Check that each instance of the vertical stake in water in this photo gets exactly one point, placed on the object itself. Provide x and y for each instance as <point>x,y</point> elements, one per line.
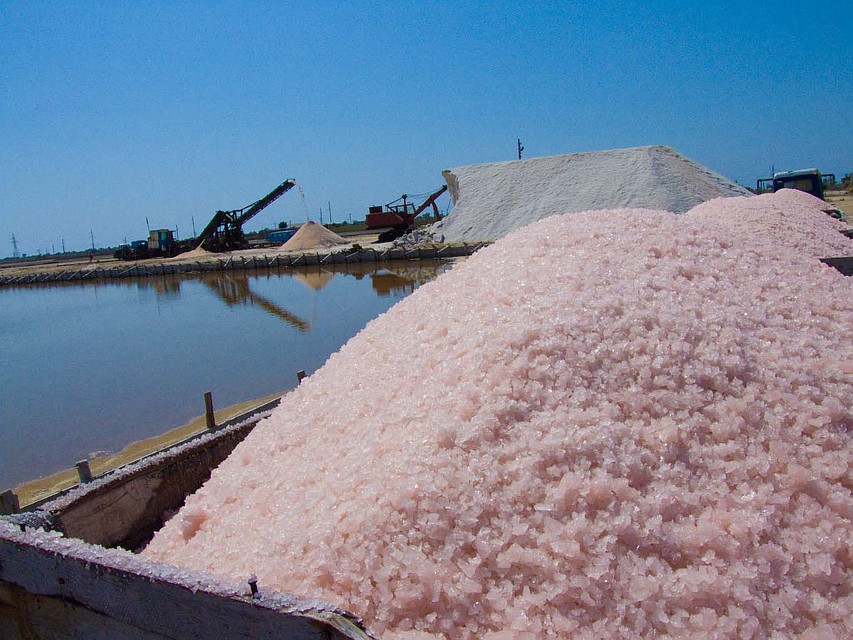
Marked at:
<point>208,410</point>
<point>83,471</point>
<point>9,502</point>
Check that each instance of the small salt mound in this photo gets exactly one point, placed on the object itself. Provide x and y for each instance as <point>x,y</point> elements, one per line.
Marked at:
<point>616,424</point>
<point>312,236</point>
<point>789,220</point>
<point>198,252</point>
<point>490,200</point>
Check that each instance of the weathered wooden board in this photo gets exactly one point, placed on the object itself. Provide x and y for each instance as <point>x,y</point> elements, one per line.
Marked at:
<point>50,593</point>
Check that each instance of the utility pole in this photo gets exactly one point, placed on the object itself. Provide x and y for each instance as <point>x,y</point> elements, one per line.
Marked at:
<point>193,219</point>
<point>330,211</point>
<point>92,236</point>
<point>321,215</point>
<point>15,253</point>
<point>520,148</point>
<point>63,245</point>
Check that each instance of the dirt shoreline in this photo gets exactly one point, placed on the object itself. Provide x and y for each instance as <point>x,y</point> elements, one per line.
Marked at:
<point>59,263</point>
<point>40,488</point>
<point>842,200</point>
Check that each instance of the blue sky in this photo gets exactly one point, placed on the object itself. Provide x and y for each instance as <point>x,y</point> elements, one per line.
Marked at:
<point>111,112</point>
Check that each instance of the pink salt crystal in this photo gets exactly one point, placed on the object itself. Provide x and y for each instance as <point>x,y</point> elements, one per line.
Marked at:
<point>599,406</point>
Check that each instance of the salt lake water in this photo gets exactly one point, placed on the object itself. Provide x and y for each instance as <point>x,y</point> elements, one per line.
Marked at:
<point>90,367</point>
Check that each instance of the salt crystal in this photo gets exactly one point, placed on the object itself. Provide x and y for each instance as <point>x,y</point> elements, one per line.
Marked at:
<point>659,412</point>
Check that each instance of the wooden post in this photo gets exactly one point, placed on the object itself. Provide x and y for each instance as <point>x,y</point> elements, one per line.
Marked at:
<point>208,410</point>
<point>9,502</point>
<point>83,471</point>
<point>300,375</point>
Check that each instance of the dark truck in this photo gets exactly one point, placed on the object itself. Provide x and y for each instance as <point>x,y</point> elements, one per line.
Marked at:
<point>809,180</point>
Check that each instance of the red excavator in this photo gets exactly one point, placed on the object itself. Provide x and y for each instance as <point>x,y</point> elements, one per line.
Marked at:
<point>398,217</point>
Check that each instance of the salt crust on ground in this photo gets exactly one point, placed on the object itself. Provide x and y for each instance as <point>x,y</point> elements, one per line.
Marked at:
<point>312,235</point>
<point>492,199</point>
<point>589,429</point>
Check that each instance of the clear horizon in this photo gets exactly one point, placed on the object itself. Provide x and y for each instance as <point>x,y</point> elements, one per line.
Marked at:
<point>114,113</point>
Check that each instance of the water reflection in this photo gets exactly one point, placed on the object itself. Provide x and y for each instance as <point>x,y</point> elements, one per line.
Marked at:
<point>393,279</point>
<point>237,290</point>
<point>235,287</point>
<point>94,365</point>
<point>165,286</point>
<point>315,280</point>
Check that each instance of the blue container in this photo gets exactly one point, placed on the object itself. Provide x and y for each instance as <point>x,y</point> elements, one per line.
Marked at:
<point>281,235</point>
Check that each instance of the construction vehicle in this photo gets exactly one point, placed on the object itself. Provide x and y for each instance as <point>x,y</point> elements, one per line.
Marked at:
<point>280,236</point>
<point>161,243</point>
<point>225,230</point>
<point>809,180</point>
<point>398,217</point>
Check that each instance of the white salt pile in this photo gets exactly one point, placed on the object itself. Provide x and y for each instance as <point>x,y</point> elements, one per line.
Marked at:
<point>490,200</point>
<point>312,236</point>
<point>615,424</point>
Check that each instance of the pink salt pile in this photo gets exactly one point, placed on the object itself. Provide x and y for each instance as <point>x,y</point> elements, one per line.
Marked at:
<point>615,424</point>
<point>198,252</point>
<point>789,220</point>
<point>312,236</point>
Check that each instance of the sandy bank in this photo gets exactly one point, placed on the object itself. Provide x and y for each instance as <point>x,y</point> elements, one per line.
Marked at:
<point>41,488</point>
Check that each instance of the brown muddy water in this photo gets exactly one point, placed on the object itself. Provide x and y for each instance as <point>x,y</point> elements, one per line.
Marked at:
<point>88,368</point>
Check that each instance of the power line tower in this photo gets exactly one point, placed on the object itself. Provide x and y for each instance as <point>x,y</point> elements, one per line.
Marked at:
<point>15,253</point>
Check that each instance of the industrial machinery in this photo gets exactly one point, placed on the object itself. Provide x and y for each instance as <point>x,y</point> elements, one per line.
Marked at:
<point>808,180</point>
<point>225,230</point>
<point>280,236</point>
<point>398,217</point>
<point>161,243</point>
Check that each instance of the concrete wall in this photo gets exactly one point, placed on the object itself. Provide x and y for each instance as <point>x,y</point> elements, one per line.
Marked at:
<point>136,270</point>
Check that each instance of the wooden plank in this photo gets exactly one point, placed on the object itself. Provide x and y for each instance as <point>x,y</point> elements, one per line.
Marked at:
<point>47,591</point>
<point>844,264</point>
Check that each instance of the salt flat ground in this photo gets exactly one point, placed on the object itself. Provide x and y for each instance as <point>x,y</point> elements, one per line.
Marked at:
<point>841,200</point>
<point>59,263</point>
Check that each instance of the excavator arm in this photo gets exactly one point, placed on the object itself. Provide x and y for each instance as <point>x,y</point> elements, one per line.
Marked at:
<point>429,201</point>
